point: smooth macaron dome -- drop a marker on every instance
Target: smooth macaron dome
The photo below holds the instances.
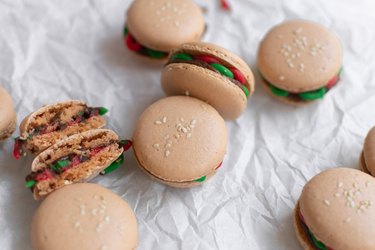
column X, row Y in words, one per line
column 368, row 154
column 180, row 141
column 154, row 27
column 210, row 73
column 336, row 211
column 84, row 217
column 7, row 115
column 300, row 61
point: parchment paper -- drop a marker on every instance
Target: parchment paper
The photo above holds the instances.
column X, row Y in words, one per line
column 58, row 50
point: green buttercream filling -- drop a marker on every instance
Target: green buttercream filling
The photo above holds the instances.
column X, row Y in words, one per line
column 247, row 93
column 223, row 70
column 59, row 165
column 115, row 165
column 313, row 95
column 182, row 56
column 279, row 92
column 316, row 242
column 202, row 179
column 103, row 111
column 30, row 184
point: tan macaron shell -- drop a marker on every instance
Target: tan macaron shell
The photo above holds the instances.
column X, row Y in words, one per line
column 299, row 56
column 180, row 139
column 338, row 207
column 7, row 115
column 369, row 152
column 207, row 85
column 164, row 24
column 84, row 216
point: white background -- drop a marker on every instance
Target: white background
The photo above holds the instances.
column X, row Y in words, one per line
column 61, row 49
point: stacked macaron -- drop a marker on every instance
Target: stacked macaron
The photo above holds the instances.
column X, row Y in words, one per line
column 70, row 146
column 335, row 211
column 367, row 158
column 154, row 27
column 299, row 61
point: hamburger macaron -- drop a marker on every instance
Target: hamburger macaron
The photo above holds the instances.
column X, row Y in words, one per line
column 78, row 158
column 154, row 27
column 336, row 211
column 210, row 73
column 84, row 217
column 180, row 141
column 367, row 159
column 7, row 115
column 44, row 127
column 300, row 61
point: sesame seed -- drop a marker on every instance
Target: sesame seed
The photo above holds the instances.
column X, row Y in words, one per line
column 188, row 135
column 184, row 130
column 164, row 119
column 107, row 219
column 337, row 195
column 187, row 93
column 168, row 145
column 282, row 78
column 158, row 122
column 367, row 183
column 77, row 224
column 279, row 36
column 352, row 204
column 167, row 153
column 347, row 220
column 104, row 247
column 291, row 65
column 177, row 136
column 355, row 184
column 156, row 146
column 193, row 122
column 93, row 211
column 327, row 202
column 340, row 184
column 182, row 119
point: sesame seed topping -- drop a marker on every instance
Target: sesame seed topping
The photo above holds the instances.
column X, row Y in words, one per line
column 337, row 195
column 187, row 93
column 182, row 119
column 77, row 224
column 93, row 211
column 281, row 78
column 164, row 119
column 107, row 218
column 188, row 135
column 167, row 153
column 158, row 122
column 156, row 146
column 355, row 184
column 327, row 202
column 104, row 247
column 340, row 184
column 347, row 220
column 168, row 145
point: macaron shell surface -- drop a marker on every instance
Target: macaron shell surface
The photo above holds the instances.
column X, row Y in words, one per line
column 227, row 98
column 330, row 215
column 84, row 216
column 369, row 151
column 165, row 24
column 7, row 114
column 189, row 156
column 321, row 56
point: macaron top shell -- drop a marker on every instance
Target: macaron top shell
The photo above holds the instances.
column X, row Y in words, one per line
column 338, row 206
column 164, row 24
column 369, row 151
column 180, row 139
column 7, row 113
column 299, row 56
column 84, row 216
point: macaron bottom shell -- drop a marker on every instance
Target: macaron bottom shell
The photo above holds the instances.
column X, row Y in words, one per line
column 362, row 164
column 178, row 184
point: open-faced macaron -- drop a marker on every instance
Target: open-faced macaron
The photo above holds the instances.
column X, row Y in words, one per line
column 367, row 159
column 180, row 141
column 336, row 210
column 44, row 127
column 78, row 158
column 84, row 217
column 210, row 73
column 154, row 27
column 299, row 61
column 7, row 115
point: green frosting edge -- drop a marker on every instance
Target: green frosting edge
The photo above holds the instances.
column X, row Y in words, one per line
column 202, row 179
column 316, row 242
column 313, row 95
column 223, row 70
column 115, row 165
